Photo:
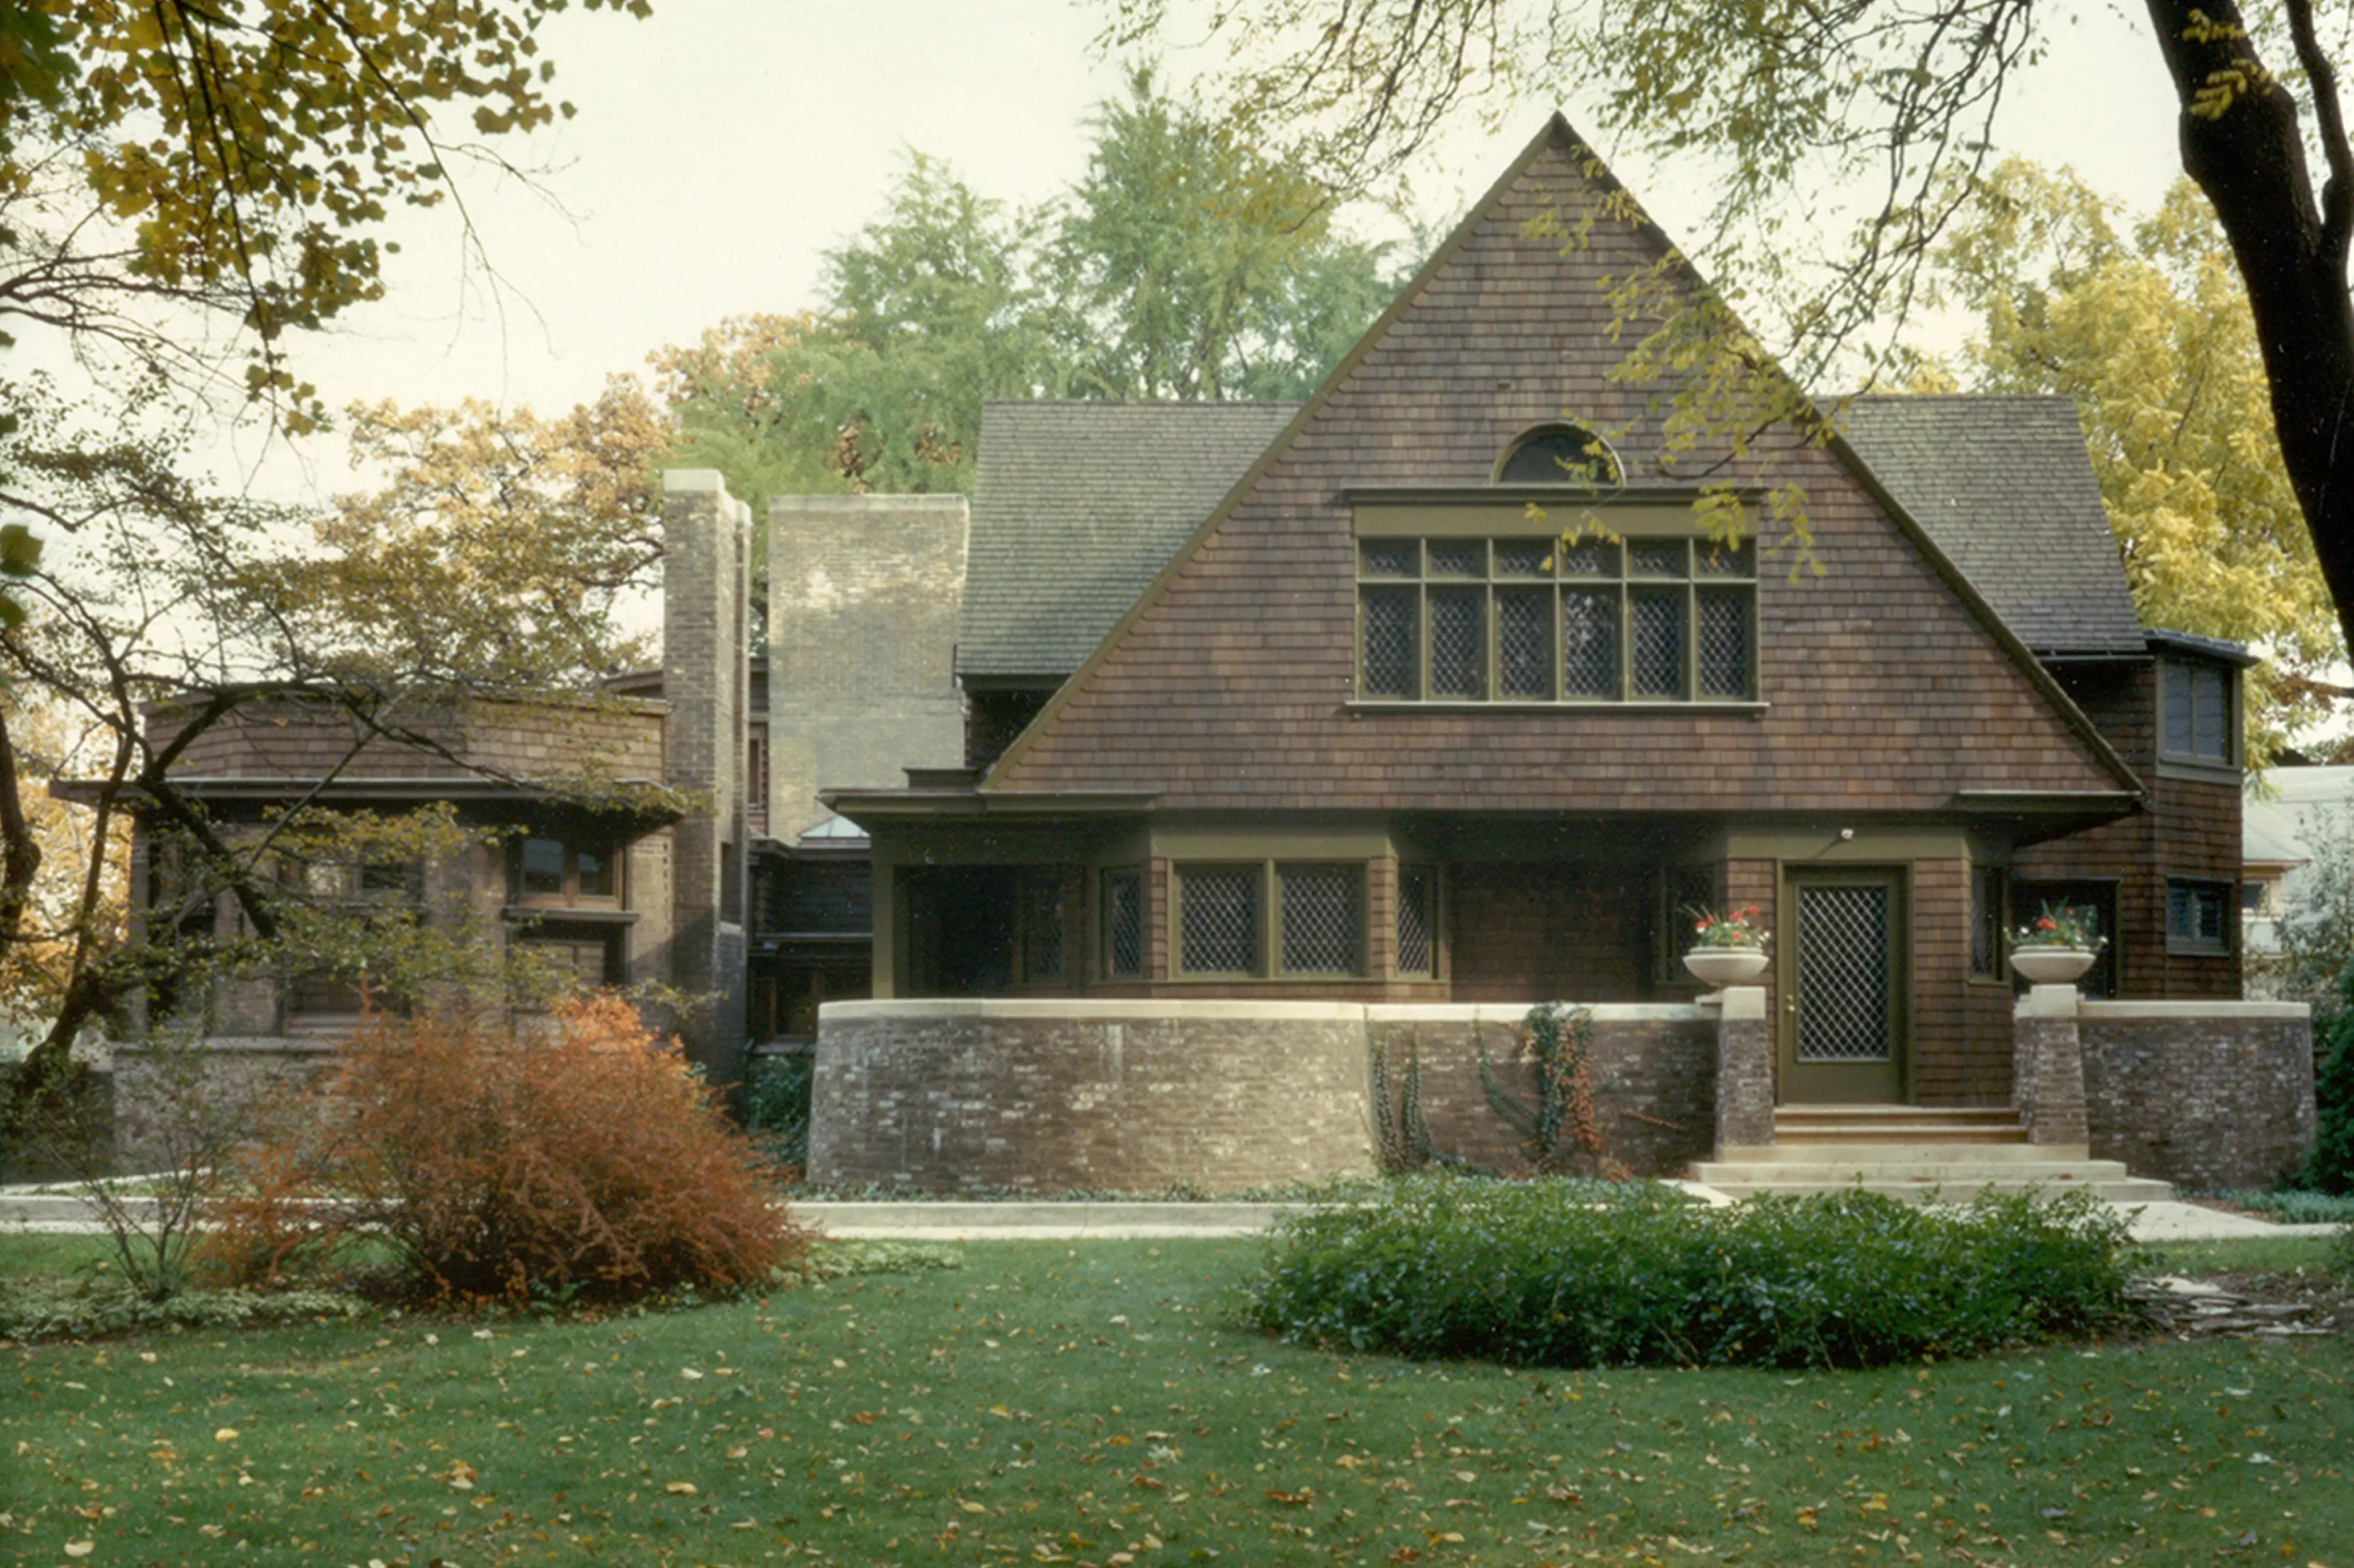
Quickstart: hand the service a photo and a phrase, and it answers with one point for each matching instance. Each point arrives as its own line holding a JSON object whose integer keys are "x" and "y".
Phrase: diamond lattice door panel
{"x": 1843, "y": 1035}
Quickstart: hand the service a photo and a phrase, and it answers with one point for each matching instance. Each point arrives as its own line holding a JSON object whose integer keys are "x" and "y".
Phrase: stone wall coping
{"x": 249, "y": 1044}
{"x": 1513, "y": 1012}
{"x": 1137, "y": 1009}
{"x": 1743, "y": 1002}
{"x": 2048, "y": 1001}
{"x": 2222, "y": 1012}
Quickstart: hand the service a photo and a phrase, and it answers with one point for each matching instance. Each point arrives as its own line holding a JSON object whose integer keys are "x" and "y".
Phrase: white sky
{"x": 723, "y": 144}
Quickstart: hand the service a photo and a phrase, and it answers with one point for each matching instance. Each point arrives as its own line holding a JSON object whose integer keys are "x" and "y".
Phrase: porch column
{"x": 2047, "y": 1066}
{"x": 1744, "y": 1070}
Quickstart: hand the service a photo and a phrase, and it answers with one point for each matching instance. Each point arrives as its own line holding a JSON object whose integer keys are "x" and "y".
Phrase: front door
{"x": 1842, "y": 983}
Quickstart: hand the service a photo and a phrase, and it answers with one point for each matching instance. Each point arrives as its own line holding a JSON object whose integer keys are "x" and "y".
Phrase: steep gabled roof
{"x": 1077, "y": 507}
{"x": 1229, "y": 682}
{"x": 2004, "y": 485}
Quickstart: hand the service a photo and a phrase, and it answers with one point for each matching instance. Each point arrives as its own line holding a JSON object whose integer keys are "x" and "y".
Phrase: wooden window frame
{"x": 2187, "y": 757}
{"x": 574, "y": 846}
{"x": 2190, "y": 943}
{"x": 1106, "y": 948}
{"x": 1695, "y": 584}
{"x": 1989, "y": 906}
{"x": 1267, "y": 874}
{"x": 1434, "y": 914}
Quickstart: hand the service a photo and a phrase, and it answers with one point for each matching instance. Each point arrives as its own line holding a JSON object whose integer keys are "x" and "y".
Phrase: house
{"x": 2296, "y": 809}
{"x": 1294, "y": 731}
{"x": 1227, "y": 767}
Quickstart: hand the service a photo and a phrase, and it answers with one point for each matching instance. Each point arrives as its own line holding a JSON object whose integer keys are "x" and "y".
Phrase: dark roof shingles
{"x": 1077, "y": 505}
{"x": 2003, "y": 485}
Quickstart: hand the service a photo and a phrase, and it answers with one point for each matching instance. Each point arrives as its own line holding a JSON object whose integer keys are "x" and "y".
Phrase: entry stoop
{"x": 1909, "y": 1151}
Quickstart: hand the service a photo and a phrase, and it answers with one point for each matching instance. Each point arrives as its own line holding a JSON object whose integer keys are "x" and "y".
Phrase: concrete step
{"x": 1897, "y": 1123}
{"x": 2130, "y": 1190}
{"x": 1902, "y": 1151}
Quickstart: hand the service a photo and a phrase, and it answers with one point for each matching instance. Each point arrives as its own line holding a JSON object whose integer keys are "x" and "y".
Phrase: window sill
{"x": 2201, "y": 771}
{"x": 2176, "y": 948}
{"x": 1712, "y": 709}
{"x": 573, "y": 912}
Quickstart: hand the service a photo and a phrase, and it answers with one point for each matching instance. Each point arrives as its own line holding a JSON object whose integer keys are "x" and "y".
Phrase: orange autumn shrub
{"x": 577, "y": 1160}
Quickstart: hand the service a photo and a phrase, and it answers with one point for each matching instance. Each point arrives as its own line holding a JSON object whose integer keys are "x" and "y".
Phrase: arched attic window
{"x": 1559, "y": 454}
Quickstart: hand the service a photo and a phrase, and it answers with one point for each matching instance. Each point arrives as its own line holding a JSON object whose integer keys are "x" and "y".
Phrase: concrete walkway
{"x": 47, "y": 1210}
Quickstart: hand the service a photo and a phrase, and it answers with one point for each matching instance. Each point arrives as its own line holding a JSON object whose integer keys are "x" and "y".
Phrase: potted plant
{"x": 2057, "y": 947}
{"x": 1727, "y": 949}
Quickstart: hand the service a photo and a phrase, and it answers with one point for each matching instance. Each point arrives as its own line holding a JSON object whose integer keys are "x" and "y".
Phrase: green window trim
{"x": 1250, "y": 920}
{"x": 1121, "y": 923}
{"x": 1527, "y": 619}
{"x": 2197, "y": 715}
{"x": 2200, "y": 913}
{"x": 1421, "y": 920}
{"x": 1988, "y": 901}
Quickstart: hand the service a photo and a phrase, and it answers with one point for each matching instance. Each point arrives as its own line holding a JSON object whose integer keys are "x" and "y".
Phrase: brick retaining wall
{"x": 1142, "y": 1096}
{"x": 2207, "y": 1094}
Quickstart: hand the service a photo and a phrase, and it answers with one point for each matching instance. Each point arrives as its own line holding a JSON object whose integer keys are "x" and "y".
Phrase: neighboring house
{"x": 2282, "y": 819}
{"x": 1433, "y": 690}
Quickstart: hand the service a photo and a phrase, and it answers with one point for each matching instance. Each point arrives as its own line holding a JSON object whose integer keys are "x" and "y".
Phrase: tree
{"x": 1182, "y": 265}
{"x": 1188, "y": 266}
{"x": 236, "y": 159}
{"x": 1866, "y": 121}
{"x": 179, "y": 184}
{"x": 2146, "y": 327}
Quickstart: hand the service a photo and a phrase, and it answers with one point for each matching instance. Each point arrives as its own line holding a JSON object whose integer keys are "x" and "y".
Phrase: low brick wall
{"x": 2207, "y": 1094}
{"x": 1142, "y": 1096}
{"x": 214, "y": 1089}
{"x": 1653, "y": 1068}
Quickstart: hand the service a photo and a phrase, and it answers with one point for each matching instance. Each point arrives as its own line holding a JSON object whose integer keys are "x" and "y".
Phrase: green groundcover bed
{"x": 1102, "y": 1402}
{"x": 1571, "y": 1274}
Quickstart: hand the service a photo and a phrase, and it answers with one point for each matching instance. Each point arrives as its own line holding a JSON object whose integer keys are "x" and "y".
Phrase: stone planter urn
{"x": 1722, "y": 967}
{"x": 2052, "y": 966}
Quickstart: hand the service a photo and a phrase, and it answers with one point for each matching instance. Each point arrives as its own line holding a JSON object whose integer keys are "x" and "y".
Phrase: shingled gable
{"x": 1077, "y": 506}
{"x": 1229, "y": 683}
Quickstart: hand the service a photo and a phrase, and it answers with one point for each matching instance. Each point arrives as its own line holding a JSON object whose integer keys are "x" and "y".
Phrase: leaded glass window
{"x": 1218, "y": 915}
{"x": 1042, "y": 927}
{"x": 1322, "y": 909}
{"x": 1123, "y": 924}
{"x": 1538, "y": 621}
{"x": 1417, "y": 920}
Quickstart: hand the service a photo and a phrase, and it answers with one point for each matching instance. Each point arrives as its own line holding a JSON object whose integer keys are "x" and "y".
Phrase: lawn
{"x": 1085, "y": 1402}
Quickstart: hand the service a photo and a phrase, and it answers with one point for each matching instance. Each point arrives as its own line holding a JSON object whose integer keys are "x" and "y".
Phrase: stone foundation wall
{"x": 2207, "y": 1094}
{"x": 1142, "y": 1096}
{"x": 217, "y": 1089}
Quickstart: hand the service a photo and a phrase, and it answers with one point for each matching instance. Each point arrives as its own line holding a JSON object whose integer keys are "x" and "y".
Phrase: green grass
{"x": 1087, "y": 1402}
{"x": 2253, "y": 1254}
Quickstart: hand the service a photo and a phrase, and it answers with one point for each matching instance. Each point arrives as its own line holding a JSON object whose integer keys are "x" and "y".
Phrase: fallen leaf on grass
{"x": 80, "y": 1548}
{"x": 682, "y": 1488}
{"x": 1293, "y": 1499}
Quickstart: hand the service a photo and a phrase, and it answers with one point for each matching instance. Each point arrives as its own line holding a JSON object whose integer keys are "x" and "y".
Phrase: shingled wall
{"x": 1883, "y": 688}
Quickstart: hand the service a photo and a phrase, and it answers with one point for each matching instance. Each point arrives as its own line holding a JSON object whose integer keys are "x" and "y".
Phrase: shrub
{"x": 777, "y": 1105}
{"x": 2330, "y": 1167}
{"x": 1586, "y": 1274}
{"x": 32, "y": 1310}
{"x": 582, "y": 1161}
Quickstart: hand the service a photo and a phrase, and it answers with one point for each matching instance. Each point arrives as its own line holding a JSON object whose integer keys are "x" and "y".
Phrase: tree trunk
{"x": 2242, "y": 144}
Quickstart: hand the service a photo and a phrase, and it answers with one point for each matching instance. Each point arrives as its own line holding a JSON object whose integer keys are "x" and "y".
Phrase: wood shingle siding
{"x": 1230, "y": 686}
